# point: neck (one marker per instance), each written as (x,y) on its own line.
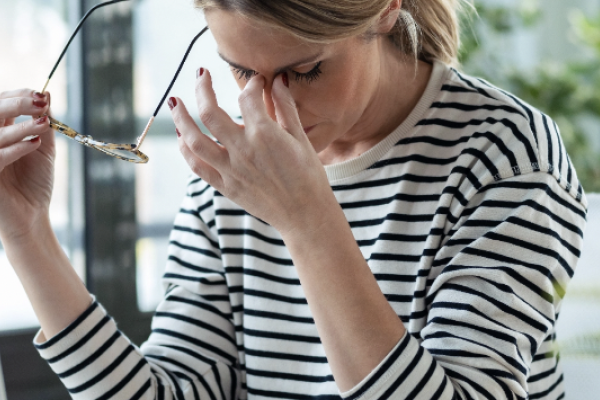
(400,85)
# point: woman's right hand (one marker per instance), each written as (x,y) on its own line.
(26,167)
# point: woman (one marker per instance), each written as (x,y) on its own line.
(381,226)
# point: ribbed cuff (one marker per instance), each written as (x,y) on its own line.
(78,340)
(401,371)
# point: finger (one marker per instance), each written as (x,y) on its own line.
(49,98)
(216,120)
(16,106)
(20,93)
(201,145)
(285,108)
(15,133)
(251,102)
(48,137)
(9,155)
(200,167)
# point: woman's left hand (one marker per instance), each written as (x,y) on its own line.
(267,167)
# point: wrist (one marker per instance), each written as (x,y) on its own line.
(317,219)
(37,234)
(321,230)
(54,289)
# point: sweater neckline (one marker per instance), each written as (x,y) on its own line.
(349,168)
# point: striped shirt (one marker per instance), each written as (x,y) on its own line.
(471,218)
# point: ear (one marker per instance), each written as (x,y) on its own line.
(388,19)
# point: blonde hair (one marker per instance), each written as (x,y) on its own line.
(426,29)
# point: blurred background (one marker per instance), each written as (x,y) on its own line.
(113,218)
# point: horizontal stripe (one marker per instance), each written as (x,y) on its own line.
(81,342)
(291,377)
(192,321)
(103,374)
(194,341)
(477,107)
(197,232)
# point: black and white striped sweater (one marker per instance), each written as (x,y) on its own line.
(470,216)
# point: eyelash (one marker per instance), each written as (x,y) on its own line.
(308,77)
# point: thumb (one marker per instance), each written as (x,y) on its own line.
(285,107)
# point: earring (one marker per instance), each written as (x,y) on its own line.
(411,31)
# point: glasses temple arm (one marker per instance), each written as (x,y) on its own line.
(79,25)
(162,101)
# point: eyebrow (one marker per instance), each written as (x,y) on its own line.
(307,60)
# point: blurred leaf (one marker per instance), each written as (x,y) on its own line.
(586,29)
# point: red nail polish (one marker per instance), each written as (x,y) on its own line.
(199,72)
(172,103)
(38,95)
(40,103)
(40,121)
(284,78)
(35,139)
(178,133)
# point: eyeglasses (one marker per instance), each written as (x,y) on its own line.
(124,151)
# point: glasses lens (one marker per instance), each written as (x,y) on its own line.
(127,155)
(125,152)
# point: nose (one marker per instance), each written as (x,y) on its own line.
(268,99)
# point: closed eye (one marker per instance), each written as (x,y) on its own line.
(247,74)
(308,77)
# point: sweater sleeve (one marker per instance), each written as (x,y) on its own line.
(493,295)
(191,352)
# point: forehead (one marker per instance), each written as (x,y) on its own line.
(254,45)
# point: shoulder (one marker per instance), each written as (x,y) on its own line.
(502,136)
(199,198)
(198,188)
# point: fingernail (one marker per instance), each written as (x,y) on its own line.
(35,139)
(40,121)
(284,78)
(178,133)
(40,103)
(199,72)
(38,95)
(172,102)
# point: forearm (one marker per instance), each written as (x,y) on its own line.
(357,326)
(56,292)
